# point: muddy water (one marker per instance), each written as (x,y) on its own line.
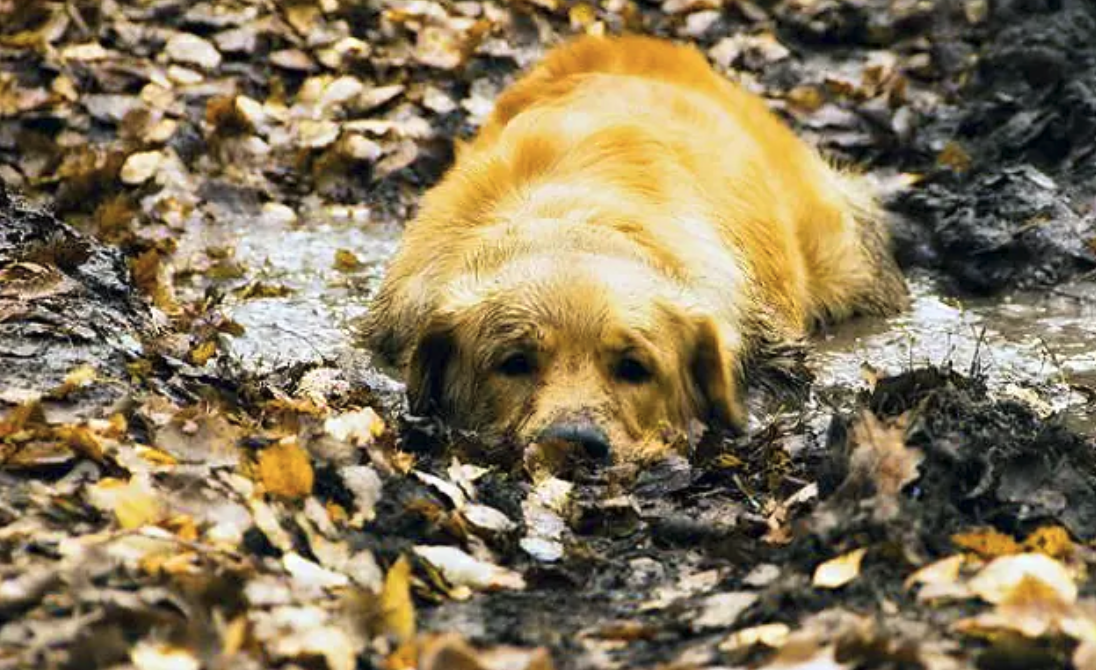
(314,322)
(1039,347)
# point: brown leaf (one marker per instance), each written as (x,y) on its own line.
(954,157)
(881,455)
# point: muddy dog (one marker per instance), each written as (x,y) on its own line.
(627,234)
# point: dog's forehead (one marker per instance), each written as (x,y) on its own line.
(572,292)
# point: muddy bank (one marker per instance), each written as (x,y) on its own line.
(661,565)
(67,302)
(1008,197)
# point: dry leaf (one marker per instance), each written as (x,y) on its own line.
(461,569)
(286,470)
(140,167)
(193,50)
(999,580)
(954,157)
(987,543)
(881,455)
(148,655)
(1054,541)
(134,503)
(939,580)
(839,571)
(772,635)
(396,605)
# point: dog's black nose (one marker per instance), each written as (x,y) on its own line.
(584,433)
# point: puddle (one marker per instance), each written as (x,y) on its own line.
(1041,342)
(1029,342)
(313,322)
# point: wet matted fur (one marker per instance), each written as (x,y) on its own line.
(625,237)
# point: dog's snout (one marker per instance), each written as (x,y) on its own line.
(583,432)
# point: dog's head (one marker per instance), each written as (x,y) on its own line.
(605,354)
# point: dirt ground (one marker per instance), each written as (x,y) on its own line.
(199,468)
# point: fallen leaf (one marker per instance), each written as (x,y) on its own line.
(988,543)
(998,581)
(286,470)
(939,579)
(880,455)
(839,571)
(133,503)
(954,157)
(140,167)
(772,635)
(721,610)
(193,50)
(149,655)
(398,610)
(461,569)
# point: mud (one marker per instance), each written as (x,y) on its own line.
(1016,210)
(66,301)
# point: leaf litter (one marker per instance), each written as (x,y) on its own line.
(169,503)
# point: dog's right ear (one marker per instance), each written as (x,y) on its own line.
(426,369)
(395,319)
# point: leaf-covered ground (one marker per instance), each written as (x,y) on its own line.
(171,498)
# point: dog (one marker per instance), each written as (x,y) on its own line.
(621,243)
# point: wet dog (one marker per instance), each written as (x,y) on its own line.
(626,236)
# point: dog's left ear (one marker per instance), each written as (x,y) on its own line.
(715,370)
(426,368)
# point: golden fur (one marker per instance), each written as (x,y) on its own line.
(623,234)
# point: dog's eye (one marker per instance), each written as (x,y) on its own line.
(516,365)
(632,371)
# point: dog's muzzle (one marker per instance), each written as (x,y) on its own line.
(581,431)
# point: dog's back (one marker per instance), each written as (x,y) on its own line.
(654,118)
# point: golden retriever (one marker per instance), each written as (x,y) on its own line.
(625,234)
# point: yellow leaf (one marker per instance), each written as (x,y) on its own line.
(201,354)
(944,571)
(346,261)
(839,571)
(285,469)
(1009,578)
(396,604)
(1053,541)
(133,503)
(988,543)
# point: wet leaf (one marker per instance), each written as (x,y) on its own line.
(881,455)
